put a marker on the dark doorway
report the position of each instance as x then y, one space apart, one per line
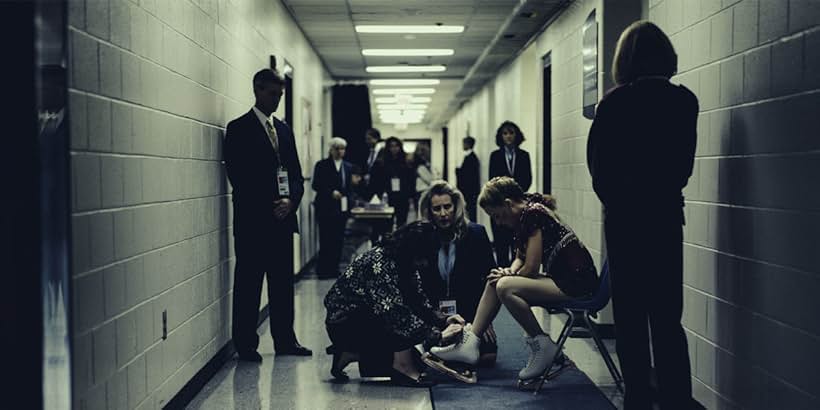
289 98
547 123
444 135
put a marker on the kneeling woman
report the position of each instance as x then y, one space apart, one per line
378 304
551 264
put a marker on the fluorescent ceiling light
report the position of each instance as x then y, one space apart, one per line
405 68
402 121
402 106
393 91
408 52
429 29
405 99
385 112
399 81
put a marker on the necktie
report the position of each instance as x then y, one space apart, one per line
342 173
371 158
272 135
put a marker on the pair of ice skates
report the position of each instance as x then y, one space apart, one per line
459 360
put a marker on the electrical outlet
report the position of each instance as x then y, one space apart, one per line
164 324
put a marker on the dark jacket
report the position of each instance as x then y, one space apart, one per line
468 176
326 180
252 166
474 260
384 170
522 172
641 146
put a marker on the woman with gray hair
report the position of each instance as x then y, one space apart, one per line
332 183
464 259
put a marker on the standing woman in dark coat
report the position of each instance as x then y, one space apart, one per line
508 161
393 175
641 150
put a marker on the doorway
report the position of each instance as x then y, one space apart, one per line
546 116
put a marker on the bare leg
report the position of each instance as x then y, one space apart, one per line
403 362
519 293
487 309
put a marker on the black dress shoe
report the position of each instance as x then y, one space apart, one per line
294 350
398 378
251 356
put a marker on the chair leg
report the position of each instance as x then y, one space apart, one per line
613 370
562 338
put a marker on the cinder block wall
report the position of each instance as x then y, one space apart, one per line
752 259
152 85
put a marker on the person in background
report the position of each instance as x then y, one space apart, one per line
378 304
511 161
391 174
332 181
465 258
264 171
641 150
468 177
372 137
424 171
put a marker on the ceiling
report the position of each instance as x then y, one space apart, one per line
494 32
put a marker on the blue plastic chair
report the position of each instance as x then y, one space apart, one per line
581 311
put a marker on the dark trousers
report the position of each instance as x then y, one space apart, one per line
502 244
331 240
260 253
646 265
472 210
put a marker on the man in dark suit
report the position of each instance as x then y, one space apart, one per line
264 171
508 161
332 181
465 258
468 177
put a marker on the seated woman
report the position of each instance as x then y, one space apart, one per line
551 264
378 304
465 258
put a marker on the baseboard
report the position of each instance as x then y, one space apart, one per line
224 355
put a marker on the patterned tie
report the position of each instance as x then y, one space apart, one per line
272 135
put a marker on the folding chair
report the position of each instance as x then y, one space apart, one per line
581 311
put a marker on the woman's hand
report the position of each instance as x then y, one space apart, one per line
451 332
456 319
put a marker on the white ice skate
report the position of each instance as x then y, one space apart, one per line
457 360
542 353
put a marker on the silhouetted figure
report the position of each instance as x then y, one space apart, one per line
640 153
333 183
468 178
372 137
508 161
264 171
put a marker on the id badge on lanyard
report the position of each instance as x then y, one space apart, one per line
282 182
447 307
395 184
343 204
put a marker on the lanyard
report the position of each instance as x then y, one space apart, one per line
446 261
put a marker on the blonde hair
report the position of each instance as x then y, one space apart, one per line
336 142
643 50
441 187
499 189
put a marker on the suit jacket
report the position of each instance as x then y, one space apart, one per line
384 171
326 180
474 260
522 172
468 176
252 165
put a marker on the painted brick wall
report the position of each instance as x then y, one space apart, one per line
153 83
752 257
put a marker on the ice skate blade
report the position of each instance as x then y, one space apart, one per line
467 376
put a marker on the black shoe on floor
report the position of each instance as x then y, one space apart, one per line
294 350
398 378
251 356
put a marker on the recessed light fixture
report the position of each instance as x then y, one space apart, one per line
408 52
431 29
402 106
394 91
405 68
407 100
399 81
